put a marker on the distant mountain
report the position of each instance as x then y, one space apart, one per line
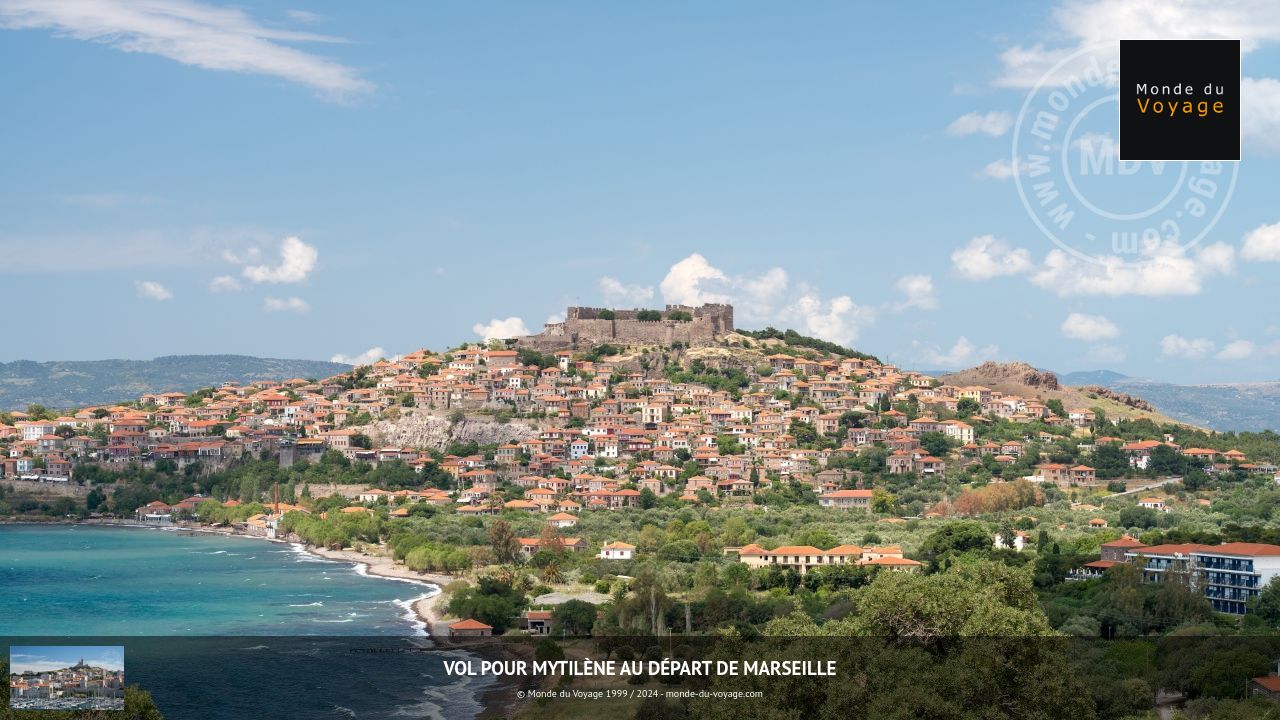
97 382
1092 377
1222 407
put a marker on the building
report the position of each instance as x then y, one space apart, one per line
846 499
1229 575
470 628
617 551
536 622
803 558
1232 573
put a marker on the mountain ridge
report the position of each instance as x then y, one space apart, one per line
77 383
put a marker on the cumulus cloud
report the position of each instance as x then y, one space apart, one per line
616 293
986 257
152 290
767 298
1002 169
1262 244
192 33
963 352
1090 328
1189 348
756 298
367 357
297 260
1237 350
224 283
1165 270
289 304
1092 29
839 319
995 124
917 292
497 329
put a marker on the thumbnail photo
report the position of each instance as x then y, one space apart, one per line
66 677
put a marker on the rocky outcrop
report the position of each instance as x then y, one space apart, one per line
421 429
1132 401
994 373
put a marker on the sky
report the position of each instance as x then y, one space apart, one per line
41 658
347 181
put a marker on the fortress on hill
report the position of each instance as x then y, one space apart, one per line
585 326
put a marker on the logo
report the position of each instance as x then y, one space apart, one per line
1075 186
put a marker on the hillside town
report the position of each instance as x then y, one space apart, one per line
600 427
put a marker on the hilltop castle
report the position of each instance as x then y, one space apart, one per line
585 326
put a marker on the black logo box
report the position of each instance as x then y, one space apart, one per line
1190 65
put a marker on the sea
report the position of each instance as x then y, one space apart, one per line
221 626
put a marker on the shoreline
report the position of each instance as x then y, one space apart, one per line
502 697
423 608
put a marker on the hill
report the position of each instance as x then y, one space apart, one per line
1223 407
63 384
1024 380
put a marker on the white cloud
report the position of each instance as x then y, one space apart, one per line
192 33
618 294
1237 350
838 320
1262 244
768 299
497 329
224 283
1090 328
1002 169
289 304
152 290
1217 259
1191 349
685 281
964 352
917 291
1093 29
694 281
1165 270
995 124
1260 112
985 257
367 357
297 260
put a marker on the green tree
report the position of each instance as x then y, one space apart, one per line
504 542
573 617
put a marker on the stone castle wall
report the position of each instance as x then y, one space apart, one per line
583 326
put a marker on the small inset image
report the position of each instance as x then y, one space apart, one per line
66 677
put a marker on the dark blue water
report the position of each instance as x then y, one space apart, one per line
294 636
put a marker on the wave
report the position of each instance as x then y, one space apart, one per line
344 620
256 647
314 604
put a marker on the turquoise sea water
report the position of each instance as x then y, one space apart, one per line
203 617
87 580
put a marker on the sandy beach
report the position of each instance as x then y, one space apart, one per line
386 566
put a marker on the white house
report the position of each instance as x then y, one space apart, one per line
617 551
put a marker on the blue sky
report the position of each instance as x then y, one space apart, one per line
327 179
41 658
